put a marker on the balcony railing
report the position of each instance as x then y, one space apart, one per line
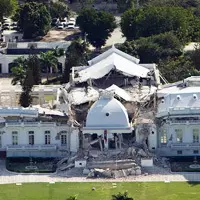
45 147
18 123
185 146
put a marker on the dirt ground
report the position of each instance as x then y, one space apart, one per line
60 35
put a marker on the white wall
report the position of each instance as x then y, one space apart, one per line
11 37
74 141
39 135
152 138
6 59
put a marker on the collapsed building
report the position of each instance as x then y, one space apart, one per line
113 100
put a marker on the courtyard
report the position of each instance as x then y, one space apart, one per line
103 191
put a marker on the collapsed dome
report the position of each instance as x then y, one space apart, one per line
107 112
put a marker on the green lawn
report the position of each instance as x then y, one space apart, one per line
139 191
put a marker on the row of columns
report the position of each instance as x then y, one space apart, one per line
117 139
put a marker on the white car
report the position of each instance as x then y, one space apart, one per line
71 25
60 26
72 19
64 22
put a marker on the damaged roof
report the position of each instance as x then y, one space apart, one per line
119 92
113 59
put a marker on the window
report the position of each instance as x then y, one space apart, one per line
63 139
179 135
47 137
163 138
196 152
31 137
179 152
195 135
15 138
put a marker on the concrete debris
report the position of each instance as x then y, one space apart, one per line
62 161
142 153
108 173
86 171
72 159
67 166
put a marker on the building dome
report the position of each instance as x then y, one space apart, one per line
107 112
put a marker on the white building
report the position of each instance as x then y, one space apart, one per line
33 132
178 119
107 123
18 49
12 36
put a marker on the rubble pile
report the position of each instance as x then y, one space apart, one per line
108 164
107 173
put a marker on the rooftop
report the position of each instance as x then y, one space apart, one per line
113 59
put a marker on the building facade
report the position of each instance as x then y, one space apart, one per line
17 49
178 119
33 133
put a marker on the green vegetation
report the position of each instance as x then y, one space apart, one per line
150 21
59 9
96 25
7 8
34 19
104 191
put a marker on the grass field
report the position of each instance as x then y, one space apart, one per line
104 191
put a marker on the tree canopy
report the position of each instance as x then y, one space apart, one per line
97 25
59 10
148 21
76 55
33 19
155 48
7 8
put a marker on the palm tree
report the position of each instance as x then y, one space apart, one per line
19 71
121 196
49 60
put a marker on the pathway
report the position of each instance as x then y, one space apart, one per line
163 176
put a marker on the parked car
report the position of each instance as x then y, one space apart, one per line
71 25
55 21
14 26
72 19
6 26
60 26
64 22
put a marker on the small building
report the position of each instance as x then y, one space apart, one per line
12 36
15 50
36 132
107 124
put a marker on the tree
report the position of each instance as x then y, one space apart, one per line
155 48
148 21
19 71
34 63
26 73
177 69
7 8
121 196
33 19
124 5
76 55
96 25
49 60
59 10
